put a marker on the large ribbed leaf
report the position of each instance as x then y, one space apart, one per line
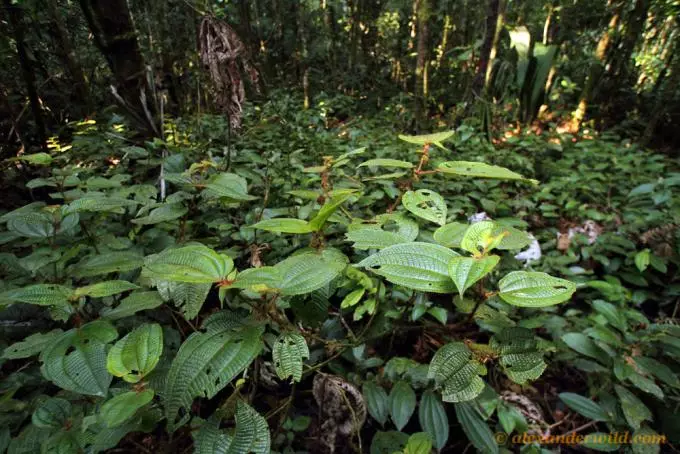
519 354
377 401
289 351
479 236
330 207
534 289
32 225
195 264
402 403
475 428
106 288
99 204
584 406
32 345
373 235
479 169
251 434
112 262
456 373
29 441
207 361
634 410
52 414
164 213
39 294
386 163
228 185
136 302
374 238
419 266
310 271
77 360
433 418
450 235
188 297
466 271
119 409
135 355
436 138
259 279
426 204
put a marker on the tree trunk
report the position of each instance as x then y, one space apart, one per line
500 19
420 91
596 69
115 35
15 15
634 28
68 55
493 12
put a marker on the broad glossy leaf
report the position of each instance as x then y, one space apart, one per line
39 159
584 406
426 204
112 262
228 185
32 225
481 170
135 356
106 288
258 279
534 289
100 204
419 443
284 225
433 418
164 213
309 271
122 407
476 428
634 410
207 362
450 235
330 207
402 403
377 401
352 298
585 346
419 266
289 352
456 373
196 264
386 163
466 271
479 236
374 239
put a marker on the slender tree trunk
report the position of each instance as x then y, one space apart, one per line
115 35
15 15
420 91
303 55
634 28
500 19
68 55
493 12
596 69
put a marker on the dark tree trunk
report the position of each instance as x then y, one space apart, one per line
493 11
420 91
115 35
68 55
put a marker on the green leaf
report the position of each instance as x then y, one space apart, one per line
402 403
386 163
599 441
480 170
32 345
251 434
519 354
39 294
165 213
642 259
258 279
121 408
52 414
100 203
289 351
188 297
584 406
426 204
377 401
433 418
534 289
484 236
374 239
135 356
646 441
330 207
82 370
352 298
195 264
585 346
135 302
436 138
228 185
645 384
466 271
388 442
475 428
450 235
112 262
38 159
106 288
32 225
456 373
207 362
310 271
284 225
418 266
634 410
418 443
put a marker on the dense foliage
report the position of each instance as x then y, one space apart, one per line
354 269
